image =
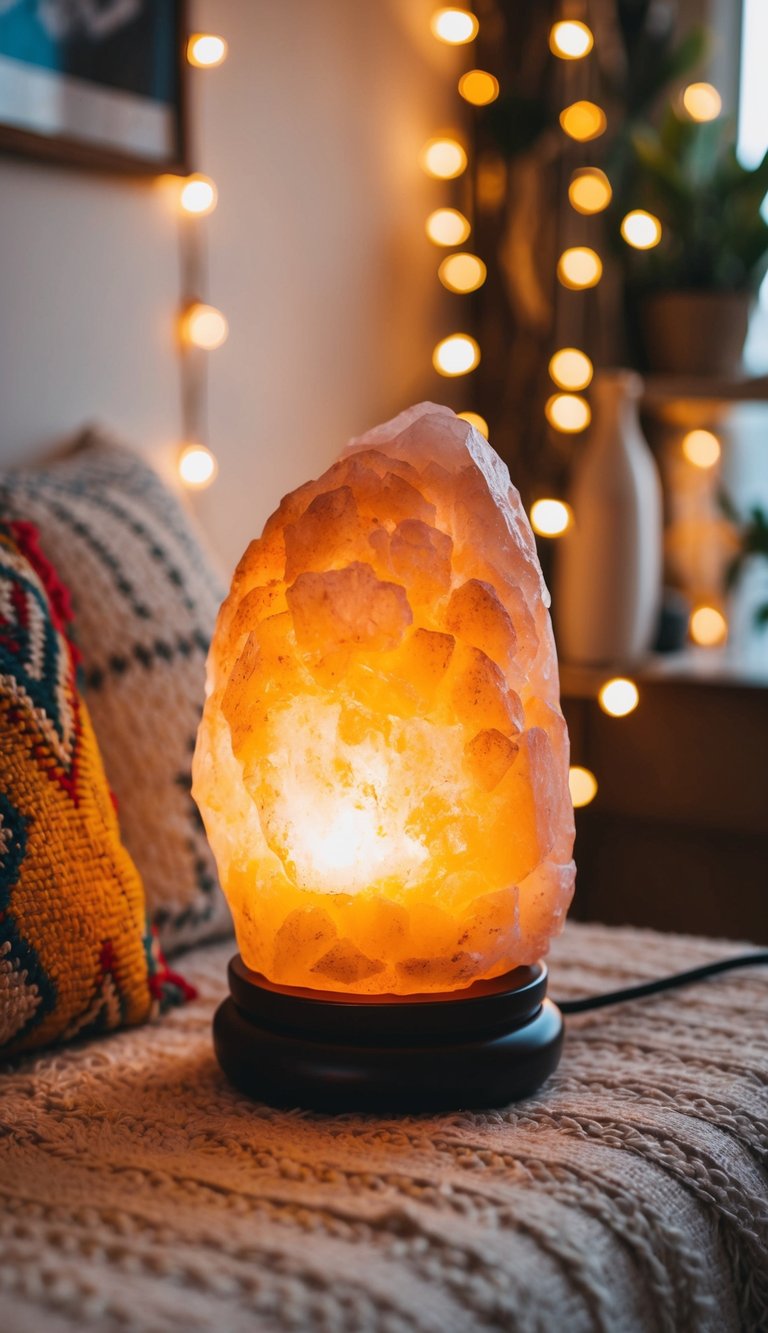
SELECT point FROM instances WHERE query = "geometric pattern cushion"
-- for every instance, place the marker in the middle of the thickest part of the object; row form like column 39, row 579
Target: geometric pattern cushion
column 72, row 947
column 145, row 600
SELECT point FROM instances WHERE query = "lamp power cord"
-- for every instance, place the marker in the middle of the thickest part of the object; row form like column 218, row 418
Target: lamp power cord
column 672, row 982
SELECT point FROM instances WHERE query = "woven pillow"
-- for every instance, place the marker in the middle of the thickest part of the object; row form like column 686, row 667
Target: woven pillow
column 72, row 933
column 145, row 600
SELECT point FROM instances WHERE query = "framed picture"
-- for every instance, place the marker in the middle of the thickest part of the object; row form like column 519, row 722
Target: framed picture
column 97, row 83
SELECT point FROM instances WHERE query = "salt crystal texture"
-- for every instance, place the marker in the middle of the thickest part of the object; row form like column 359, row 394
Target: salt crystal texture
column 382, row 764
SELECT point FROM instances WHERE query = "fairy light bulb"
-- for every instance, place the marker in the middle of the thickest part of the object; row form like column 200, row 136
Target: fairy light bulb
column 619, row 696
column 447, row 226
column 456, row 355
column 445, row 159
column 197, row 466
column 702, row 101
column 550, row 518
column 582, row 784
column 701, row 448
column 198, row 195
column 571, row 40
column 583, row 121
column 206, row 50
column 479, row 87
column 568, row 413
column 454, row 26
column 708, row 627
column 475, row 420
column 462, row 272
column 579, row 267
column 640, row 229
column 589, row 191
column 571, row 369
column 204, row 326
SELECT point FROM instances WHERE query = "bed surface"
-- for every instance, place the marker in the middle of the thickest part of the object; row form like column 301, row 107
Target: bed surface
column 139, row 1191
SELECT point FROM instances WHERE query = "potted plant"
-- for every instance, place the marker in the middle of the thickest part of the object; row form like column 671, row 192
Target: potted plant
column 692, row 293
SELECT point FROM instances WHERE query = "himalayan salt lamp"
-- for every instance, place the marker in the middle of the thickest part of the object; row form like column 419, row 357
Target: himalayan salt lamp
column 382, row 768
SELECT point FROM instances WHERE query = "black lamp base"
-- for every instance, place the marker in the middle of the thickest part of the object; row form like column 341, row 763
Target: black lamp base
column 485, row 1046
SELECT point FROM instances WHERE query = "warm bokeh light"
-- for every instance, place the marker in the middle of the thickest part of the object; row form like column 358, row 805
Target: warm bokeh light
column 462, row 272
column 443, row 158
column 589, row 191
column 619, row 697
column 702, row 101
column 570, row 368
column 206, row 50
column 197, row 466
column 475, row 420
column 583, row 785
column 708, row 627
column 454, row 26
column 568, row 413
column 198, row 195
column 447, row 226
column 579, row 267
column 583, row 121
column 550, row 518
column 570, row 39
column 456, row 355
column 204, row 326
column 701, row 448
column 640, row 229
column 479, row 87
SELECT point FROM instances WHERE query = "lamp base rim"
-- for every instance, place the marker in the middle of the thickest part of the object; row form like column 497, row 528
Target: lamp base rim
column 289, row 1057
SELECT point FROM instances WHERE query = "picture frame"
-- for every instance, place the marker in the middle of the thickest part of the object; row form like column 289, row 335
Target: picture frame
column 98, row 84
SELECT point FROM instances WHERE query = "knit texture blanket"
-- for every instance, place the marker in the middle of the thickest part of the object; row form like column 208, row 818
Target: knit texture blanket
column 139, row 1191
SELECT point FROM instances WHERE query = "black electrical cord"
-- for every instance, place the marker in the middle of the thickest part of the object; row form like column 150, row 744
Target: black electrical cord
column 660, row 984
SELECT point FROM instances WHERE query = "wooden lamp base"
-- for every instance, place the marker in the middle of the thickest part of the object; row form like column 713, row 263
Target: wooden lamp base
column 490, row 1044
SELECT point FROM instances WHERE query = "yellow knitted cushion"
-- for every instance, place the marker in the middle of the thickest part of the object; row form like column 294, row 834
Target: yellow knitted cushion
column 72, row 947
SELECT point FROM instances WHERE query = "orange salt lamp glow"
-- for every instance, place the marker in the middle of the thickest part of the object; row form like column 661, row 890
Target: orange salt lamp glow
column 382, row 764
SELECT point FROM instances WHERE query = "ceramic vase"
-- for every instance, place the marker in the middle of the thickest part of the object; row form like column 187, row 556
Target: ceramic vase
column 608, row 573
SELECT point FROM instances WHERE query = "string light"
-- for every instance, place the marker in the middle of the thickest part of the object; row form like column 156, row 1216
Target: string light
column 475, row 420
column 589, row 191
column 198, row 195
column 550, row 518
column 708, row 627
column 583, row 121
column 197, row 466
column 579, row 267
column 444, row 159
column 702, row 101
column 204, row 326
column 701, row 448
column 206, row 50
column 454, row 26
column 618, row 697
column 456, row 355
column 447, row 226
column 571, row 369
column 479, row 87
column 583, row 785
column 568, row 413
column 462, row 272
column 571, row 40
column 640, row 229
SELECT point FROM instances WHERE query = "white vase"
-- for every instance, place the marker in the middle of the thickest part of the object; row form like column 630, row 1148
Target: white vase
column 608, row 576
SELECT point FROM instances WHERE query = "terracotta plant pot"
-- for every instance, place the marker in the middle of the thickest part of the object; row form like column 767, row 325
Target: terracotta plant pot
column 696, row 333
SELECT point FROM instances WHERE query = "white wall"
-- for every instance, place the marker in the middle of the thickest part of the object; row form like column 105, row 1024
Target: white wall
column 89, row 283
column 316, row 253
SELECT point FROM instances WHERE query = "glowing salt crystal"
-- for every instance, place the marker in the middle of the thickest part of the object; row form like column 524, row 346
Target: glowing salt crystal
column 382, row 764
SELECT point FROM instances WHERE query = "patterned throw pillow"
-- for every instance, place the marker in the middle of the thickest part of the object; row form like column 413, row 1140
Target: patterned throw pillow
column 73, row 957
column 145, row 600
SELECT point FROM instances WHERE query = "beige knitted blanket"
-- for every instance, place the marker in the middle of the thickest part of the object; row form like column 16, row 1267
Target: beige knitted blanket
column 140, row 1192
